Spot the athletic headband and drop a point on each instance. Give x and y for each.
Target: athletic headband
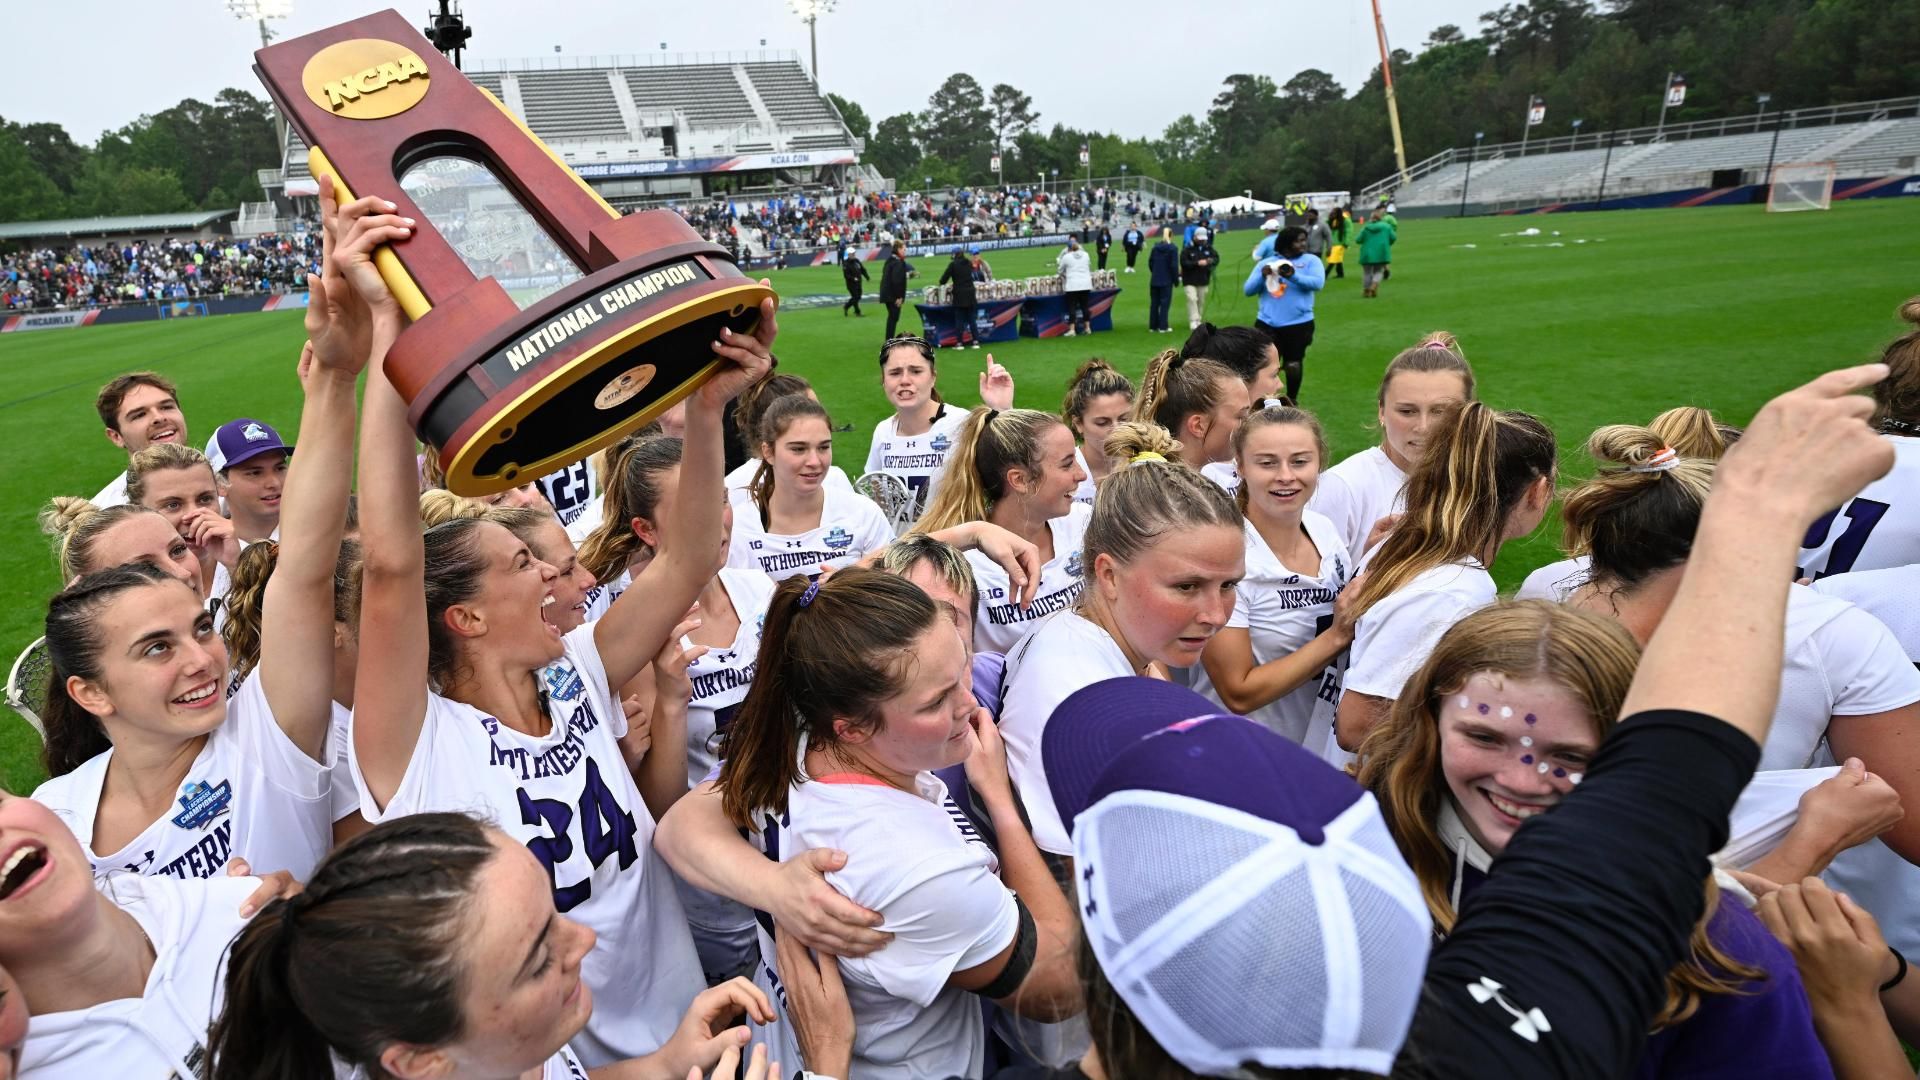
(813, 590)
(1147, 455)
(1664, 461)
(992, 415)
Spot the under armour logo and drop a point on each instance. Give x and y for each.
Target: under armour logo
(1528, 1025)
(1086, 875)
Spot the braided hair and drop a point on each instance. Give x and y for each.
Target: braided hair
(366, 957)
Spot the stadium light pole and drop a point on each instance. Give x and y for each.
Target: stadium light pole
(1576, 133)
(810, 12)
(1762, 100)
(1604, 166)
(260, 11)
(1464, 184)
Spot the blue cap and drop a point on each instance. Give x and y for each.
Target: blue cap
(974, 250)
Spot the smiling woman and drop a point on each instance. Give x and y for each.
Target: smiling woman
(1497, 727)
(1162, 554)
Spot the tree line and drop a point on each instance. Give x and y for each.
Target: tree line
(1604, 64)
(194, 155)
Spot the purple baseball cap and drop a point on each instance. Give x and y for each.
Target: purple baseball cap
(238, 440)
(1211, 853)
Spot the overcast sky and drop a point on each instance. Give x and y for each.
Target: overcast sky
(1122, 66)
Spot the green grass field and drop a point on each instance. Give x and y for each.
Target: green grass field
(1720, 307)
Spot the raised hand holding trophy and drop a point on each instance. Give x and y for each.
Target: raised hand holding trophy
(544, 324)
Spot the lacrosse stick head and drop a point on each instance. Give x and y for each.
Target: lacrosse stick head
(891, 494)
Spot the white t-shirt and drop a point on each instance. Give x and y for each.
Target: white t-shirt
(1358, 492)
(114, 494)
(564, 1065)
(603, 594)
(1396, 635)
(850, 526)
(916, 859)
(251, 792)
(1083, 495)
(1878, 528)
(1281, 612)
(571, 489)
(1224, 473)
(1840, 661)
(1556, 580)
(1891, 595)
(918, 460)
(1001, 621)
(741, 479)
(569, 797)
(163, 1032)
(1066, 653)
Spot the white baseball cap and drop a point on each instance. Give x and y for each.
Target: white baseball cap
(1272, 224)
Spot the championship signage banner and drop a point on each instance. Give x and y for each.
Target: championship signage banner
(993, 163)
(51, 320)
(739, 163)
(1536, 113)
(1677, 92)
(611, 318)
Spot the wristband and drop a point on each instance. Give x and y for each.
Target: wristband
(1898, 975)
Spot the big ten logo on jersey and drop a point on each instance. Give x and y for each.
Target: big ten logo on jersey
(755, 545)
(569, 490)
(995, 592)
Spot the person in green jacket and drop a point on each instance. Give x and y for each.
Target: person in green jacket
(1376, 251)
(1341, 227)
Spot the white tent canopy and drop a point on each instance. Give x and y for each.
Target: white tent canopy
(1238, 204)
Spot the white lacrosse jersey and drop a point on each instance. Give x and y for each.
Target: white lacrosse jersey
(722, 676)
(850, 526)
(1840, 661)
(1891, 596)
(1556, 580)
(918, 460)
(604, 593)
(569, 798)
(564, 1065)
(1282, 611)
(916, 859)
(343, 795)
(1358, 492)
(741, 479)
(572, 489)
(1083, 495)
(163, 1032)
(1397, 634)
(1878, 528)
(1001, 621)
(1065, 653)
(251, 792)
(1224, 473)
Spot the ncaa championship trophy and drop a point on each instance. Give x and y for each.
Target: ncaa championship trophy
(544, 324)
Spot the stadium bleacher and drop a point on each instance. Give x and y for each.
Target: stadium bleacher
(624, 115)
(1872, 140)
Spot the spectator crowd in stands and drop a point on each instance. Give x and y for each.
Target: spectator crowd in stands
(104, 273)
(831, 219)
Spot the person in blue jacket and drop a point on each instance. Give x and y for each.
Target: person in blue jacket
(1286, 285)
(1163, 268)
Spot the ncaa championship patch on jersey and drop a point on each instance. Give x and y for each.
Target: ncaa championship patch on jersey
(562, 681)
(1073, 564)
(940, 442)
(202, 803)
(838, 538)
